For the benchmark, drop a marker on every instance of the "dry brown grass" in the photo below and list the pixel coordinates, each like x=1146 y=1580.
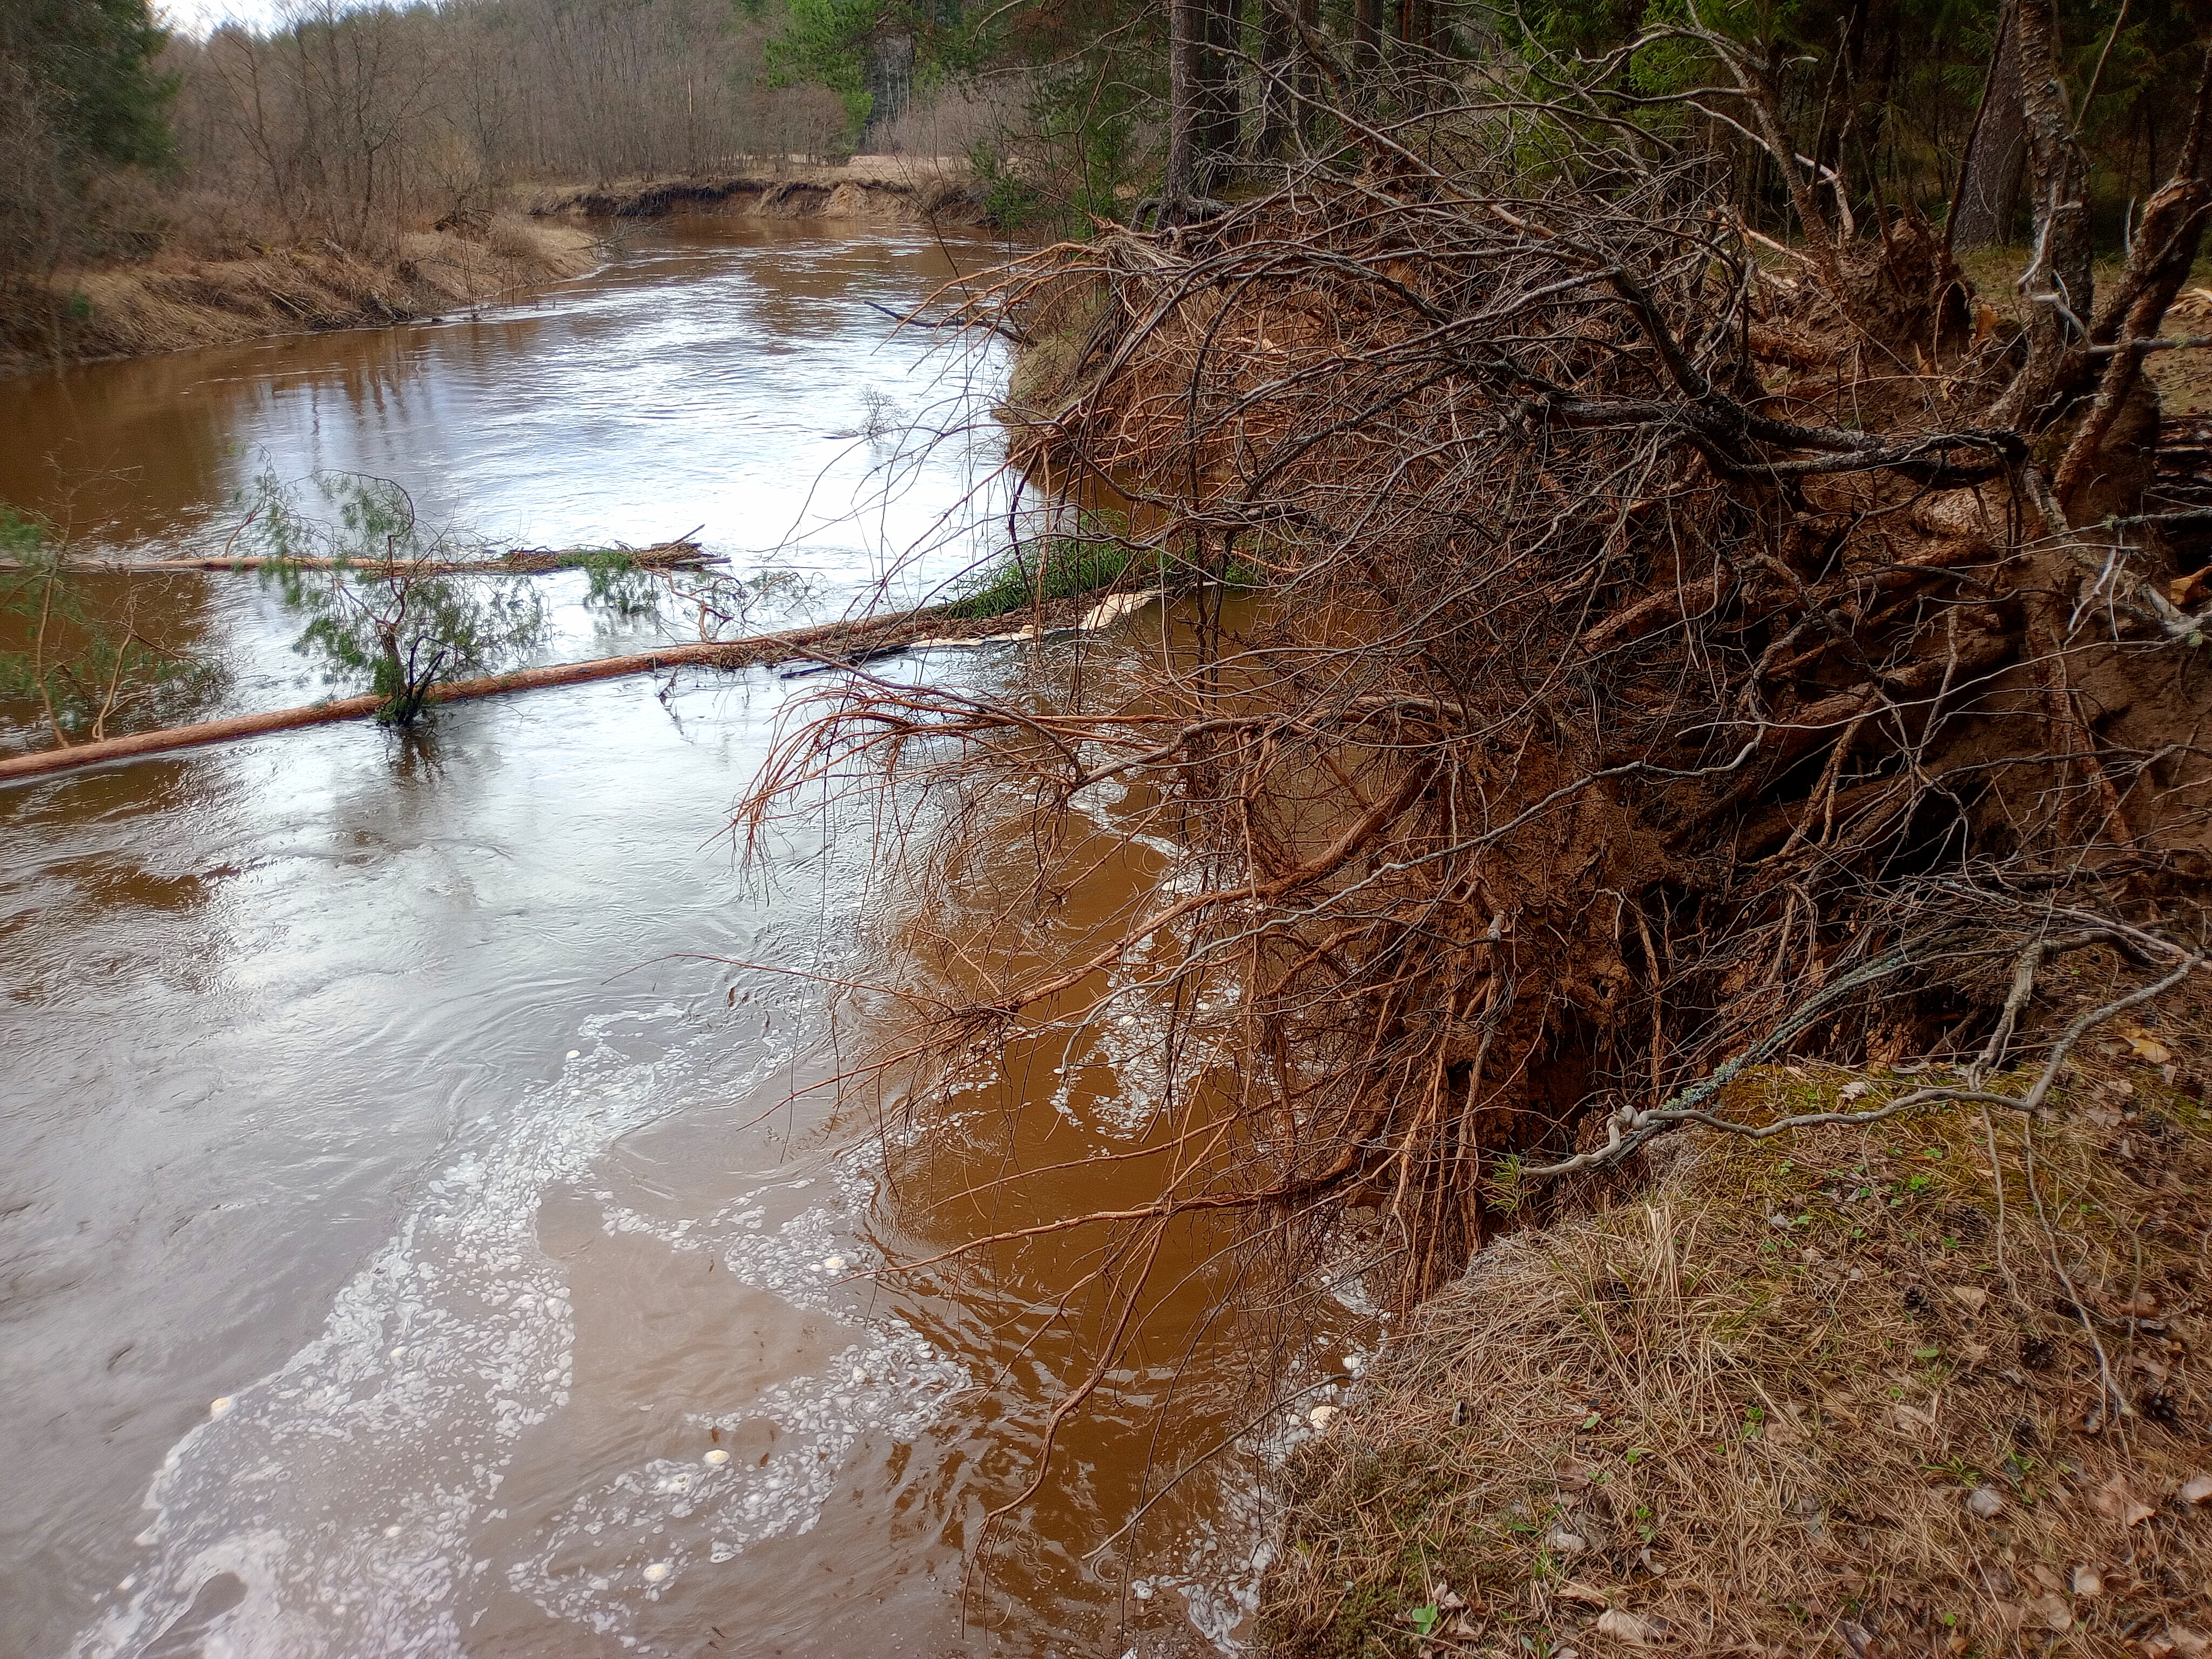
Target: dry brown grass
x=1746 y=1410
x=173 y=302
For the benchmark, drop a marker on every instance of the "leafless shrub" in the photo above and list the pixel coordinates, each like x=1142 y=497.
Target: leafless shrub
x=954 y=118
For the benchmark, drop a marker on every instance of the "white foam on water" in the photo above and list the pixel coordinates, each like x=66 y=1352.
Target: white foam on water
x=597 y=1561
x=681 y=1514
x=1225 y=1555
x=792 y=1259
x=344 y=1488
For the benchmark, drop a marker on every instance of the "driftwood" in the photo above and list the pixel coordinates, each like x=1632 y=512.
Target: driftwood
x=681 y=554
x=826 y=646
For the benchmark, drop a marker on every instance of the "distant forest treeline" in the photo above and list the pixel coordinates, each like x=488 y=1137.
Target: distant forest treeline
x=1198 y=95
x=352 y=123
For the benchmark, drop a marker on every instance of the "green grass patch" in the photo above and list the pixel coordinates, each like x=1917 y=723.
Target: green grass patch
x=1076 y=567
x=1060 y=568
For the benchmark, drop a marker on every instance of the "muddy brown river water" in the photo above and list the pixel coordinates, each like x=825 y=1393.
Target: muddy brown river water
x=405 y=1204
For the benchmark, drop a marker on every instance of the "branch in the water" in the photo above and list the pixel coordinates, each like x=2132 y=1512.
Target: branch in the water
x=680 y=554
x=833 y=644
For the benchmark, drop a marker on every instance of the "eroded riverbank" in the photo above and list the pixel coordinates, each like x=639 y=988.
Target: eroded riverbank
x=543 y=237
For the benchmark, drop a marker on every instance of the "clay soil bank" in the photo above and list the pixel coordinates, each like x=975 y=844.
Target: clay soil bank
x=897 y=189
x=172 y=302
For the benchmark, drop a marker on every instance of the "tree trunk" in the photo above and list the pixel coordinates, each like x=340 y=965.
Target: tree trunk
x=1220 y=107
x=683 y=555
x=2056 y=284
x=1186 y=29
x=1309 y=77
x=1366 y=36
x=1280 y=61
x=829 y=643
x=1996 y=149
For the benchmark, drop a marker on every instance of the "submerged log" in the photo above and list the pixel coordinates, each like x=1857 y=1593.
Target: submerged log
x=681 y=554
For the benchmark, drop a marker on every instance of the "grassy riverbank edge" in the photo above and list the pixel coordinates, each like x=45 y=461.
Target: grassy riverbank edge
x=1842 y=1393
x=172 y=303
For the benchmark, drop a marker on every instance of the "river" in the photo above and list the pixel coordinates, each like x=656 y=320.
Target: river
x=405 y=1203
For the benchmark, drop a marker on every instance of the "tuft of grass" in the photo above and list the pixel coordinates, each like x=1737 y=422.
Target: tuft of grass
x=1063 y=567
x=1079 y=566
x=1745 y=1410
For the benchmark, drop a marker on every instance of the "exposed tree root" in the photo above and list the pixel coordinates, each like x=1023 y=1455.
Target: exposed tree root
x=1628 y=703
x=1664 y=670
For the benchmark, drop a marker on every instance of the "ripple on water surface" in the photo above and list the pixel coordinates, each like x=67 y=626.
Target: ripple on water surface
x=513 y=1353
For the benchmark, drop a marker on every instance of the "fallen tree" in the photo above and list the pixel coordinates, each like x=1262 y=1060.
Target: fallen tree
x=1679 y=655
x=680 y=554
x=834 y=644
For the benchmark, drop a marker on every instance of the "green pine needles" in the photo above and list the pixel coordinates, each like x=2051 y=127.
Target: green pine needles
x=79 y=652
x=382 y=604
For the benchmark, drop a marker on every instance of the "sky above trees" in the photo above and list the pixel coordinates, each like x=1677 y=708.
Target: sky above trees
x=201 y=18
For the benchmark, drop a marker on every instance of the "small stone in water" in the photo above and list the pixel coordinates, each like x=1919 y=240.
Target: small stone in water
x=835 y=1264
x=717 y=1457
x=657 y=1571
x=392 y=1531
x=575 y=1053
x=1141 y=1590
x=219 y=1406
x=860 y=1376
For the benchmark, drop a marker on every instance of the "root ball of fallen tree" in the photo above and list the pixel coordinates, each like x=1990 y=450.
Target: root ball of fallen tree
x=1675 y=656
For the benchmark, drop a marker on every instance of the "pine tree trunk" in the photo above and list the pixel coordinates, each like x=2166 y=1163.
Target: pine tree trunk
x=1220 y=107
x=1279 y=65
x=1996 y=149
x=1366 y=35
x=1185 y=42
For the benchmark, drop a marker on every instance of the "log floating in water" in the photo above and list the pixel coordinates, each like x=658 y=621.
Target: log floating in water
x=682 y=554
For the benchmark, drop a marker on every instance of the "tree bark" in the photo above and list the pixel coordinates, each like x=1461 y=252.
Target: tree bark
x=1366 y=36
x=1186 y=32
x=1996 y=149
x=1220 y=107
x=517 y=561
x=1279 y=59
x=2058 y=285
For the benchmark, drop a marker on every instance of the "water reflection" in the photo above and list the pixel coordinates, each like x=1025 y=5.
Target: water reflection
x=397 y=1094
x=700 y=382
